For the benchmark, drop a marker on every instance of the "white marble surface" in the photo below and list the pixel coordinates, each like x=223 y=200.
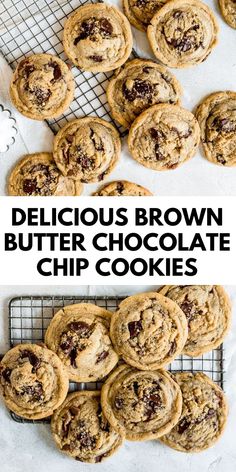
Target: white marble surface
x=195 y=177
x=29 y=448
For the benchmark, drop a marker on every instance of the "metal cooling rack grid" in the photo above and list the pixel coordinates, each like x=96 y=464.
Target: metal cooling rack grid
x=27 y=27
x=29 y=318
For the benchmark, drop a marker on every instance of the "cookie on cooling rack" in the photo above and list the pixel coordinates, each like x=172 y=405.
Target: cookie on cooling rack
x=80 y=429
x=183 y=33
x=138 y=85
x=148 y=330
x=79 y=334
x=140 y=404
x=217 y=120
x=163 y=137
x=38 y=175
x=42 y=87
x=33 y=381
x=208 y=312
x=87 y=149
x=122 y=188
x=98 y=38
x=141 y=12
x=204 y=414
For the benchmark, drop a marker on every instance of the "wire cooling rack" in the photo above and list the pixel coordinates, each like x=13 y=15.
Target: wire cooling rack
x=29 y=26
x=29 y=318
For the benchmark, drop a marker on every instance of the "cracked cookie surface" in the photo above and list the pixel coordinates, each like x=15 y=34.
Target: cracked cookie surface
x=203 y=417
x=79 y=334
x=208 y=312
x=80 y=429
x=33 y=381
x=122 y=188
x=140 y=12
x=38 y=175
x=42 y=87
x=228 y=10
x=183 y=33
x=98 y=38
x=148 y=330
x=163 y=137
x=216 y=115
x=142 y=405
x=87 y=149
x=140 y=84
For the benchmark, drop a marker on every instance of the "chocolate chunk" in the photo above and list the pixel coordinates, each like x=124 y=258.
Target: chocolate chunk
x=183 y=425
x=118 y=403
x=224 y=125
x=74 y=411
x=57 y=74
x=85 y=162
x=67 y=345
x=101 y=176
x=81 y=328
x=35 y=391
x=220 y=159
x=183 y=45
x=102 y=356
x=69 y=138
x=152 y=402
x=73 y=355
x=141 y=89
x=29 y=186
x=33 y=359
x=105 y=27
x=86 y=441
x=155 y=134
x=28 y=69
x=66 y=422
x=134 y=328
x=135 y=387
x=187 y=308
x=6 y=374
x=96 y=58
x=119 y=187
x=93 y=27
x=98 y=145
x=211 y=412
x=177 y=14
x=99 y=458
x=41 y=96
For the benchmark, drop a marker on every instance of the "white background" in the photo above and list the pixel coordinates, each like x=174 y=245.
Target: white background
x=19 y=267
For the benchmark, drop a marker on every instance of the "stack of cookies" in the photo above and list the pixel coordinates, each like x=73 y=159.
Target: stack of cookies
x=129 y=351
x=143 y=95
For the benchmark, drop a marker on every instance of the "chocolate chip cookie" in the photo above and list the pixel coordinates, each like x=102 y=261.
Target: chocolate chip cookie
x=79 y=334
x=33 y=381
x=217 y=120
x=42 y=87
x=163 y=137
x=183 y=33
x=122 y=188
x=98 y=38
x=140 y=12
x=87 y=149
x=208 y=312
x=148 y=330
x=228 y=10
x=81 y=430
x=141 y=404
x=203 y=417
x=36 y=175
x=138 y=85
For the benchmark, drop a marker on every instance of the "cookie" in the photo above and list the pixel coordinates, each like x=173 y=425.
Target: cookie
x=163 y=137
x=87 y=149
x=81 y=430
x=42 y=87
x=79 y=334
x=228 y=10
x=203 y=417
x=217 y=120
x=98 y=38
x=33 y=381
x=183 y=33
x=122 y=188
x=36 y=175
x=148 y=331
x=138 y=85
x=140 y=404
x=140 y=12
x=208 y=312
